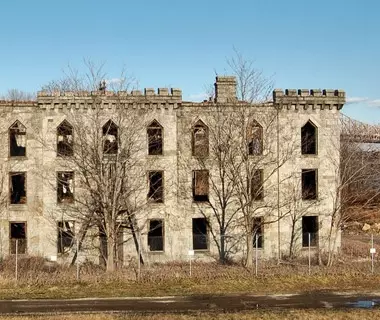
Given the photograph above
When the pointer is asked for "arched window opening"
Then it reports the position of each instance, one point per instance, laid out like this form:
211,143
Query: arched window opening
255,139
309,138
155,140
65,139
17,140
200,143
110,138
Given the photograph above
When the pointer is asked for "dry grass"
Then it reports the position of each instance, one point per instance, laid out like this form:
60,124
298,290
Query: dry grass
260,315
36,280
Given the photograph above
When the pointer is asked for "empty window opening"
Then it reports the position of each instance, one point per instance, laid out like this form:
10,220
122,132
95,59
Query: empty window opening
309,184
17,237
154,138
17,140
65,187
255,139
200,185
155,193
200,234
309,138
17,188
110,138
65,139
200,140
310,226
257,190
156,235
258,231
65,236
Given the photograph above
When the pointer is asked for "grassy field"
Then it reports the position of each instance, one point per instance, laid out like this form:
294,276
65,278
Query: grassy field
259,315
35,281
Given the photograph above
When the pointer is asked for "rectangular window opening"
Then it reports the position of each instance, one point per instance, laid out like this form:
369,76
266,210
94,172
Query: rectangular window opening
156,235
200,185
17,237
309,184
200,234
17,188
65,187
258,232
155,193
257,190
309,227
65,236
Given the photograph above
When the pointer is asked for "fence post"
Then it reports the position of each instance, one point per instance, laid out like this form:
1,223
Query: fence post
256,253
16,270
138,259
372,255
309,255
77,258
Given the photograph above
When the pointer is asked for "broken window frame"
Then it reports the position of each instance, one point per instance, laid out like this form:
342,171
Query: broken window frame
110,129
257,185
156,243
309,141
255,139
309,192
200,140
200,196
63,183
22,195
65,139
155,139
200,239
258,228
313,229
155,193
22,245
17,137
65,236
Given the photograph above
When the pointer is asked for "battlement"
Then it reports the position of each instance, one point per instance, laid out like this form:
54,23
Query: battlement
314,98
108,99
148,92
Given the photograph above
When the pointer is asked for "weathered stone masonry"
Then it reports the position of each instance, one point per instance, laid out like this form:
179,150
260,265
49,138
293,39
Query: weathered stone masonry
292,109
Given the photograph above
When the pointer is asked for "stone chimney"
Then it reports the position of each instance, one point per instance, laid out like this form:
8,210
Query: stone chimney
225,89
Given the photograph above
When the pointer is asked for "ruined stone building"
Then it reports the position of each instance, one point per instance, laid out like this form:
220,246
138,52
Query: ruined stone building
283,154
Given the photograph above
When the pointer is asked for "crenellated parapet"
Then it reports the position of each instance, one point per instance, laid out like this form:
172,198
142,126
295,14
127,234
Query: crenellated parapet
163,98
313,99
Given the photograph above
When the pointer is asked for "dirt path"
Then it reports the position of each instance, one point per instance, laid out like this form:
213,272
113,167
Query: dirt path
209,303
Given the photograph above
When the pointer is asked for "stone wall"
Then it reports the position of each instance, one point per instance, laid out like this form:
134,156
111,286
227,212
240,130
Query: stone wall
281,119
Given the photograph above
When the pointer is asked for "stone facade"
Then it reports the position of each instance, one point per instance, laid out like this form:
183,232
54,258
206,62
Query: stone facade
282,177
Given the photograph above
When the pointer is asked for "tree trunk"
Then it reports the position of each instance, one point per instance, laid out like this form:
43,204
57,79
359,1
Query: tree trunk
111,253
249,244
132,224
222,253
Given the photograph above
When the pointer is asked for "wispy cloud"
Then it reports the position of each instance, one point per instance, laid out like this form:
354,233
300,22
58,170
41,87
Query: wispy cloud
198,97
114,81
363,100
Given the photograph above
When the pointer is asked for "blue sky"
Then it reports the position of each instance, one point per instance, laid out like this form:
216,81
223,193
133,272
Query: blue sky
304,44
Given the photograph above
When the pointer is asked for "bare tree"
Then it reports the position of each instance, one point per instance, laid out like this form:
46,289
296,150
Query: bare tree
90,79
356,186
252,84
18,95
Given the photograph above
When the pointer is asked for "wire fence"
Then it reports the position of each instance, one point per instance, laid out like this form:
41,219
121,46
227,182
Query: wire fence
360,252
